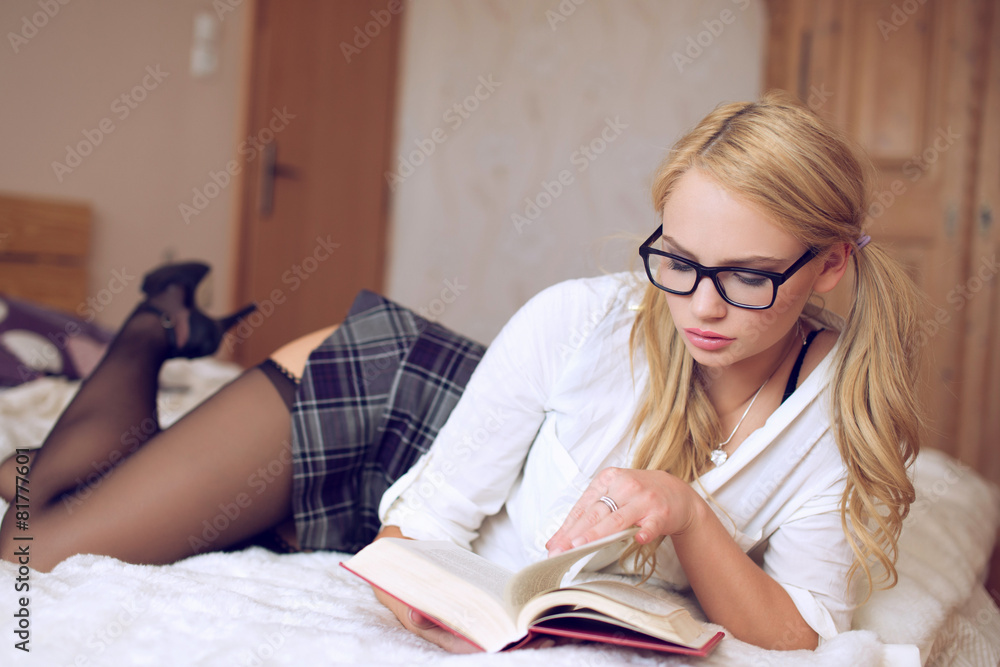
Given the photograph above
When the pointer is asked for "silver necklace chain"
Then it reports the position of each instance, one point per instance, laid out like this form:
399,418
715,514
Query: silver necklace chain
719,455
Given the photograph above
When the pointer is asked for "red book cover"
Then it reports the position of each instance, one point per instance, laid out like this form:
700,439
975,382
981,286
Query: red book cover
581,628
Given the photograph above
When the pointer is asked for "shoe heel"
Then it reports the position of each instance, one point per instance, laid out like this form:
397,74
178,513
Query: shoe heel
228,322
206,333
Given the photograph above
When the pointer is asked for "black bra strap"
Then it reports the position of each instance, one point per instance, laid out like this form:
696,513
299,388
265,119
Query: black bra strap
793,379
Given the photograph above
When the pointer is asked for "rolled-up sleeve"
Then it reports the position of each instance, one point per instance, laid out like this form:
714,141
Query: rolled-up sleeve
809,556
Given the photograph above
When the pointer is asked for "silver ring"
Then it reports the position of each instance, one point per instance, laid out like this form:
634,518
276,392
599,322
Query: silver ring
612,505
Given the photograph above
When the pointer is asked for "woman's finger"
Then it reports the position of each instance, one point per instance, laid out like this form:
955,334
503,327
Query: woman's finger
447,640
419,620
580,517
424,626
591,512
617,499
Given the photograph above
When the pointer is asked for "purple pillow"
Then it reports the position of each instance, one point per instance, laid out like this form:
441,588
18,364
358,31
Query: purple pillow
37,341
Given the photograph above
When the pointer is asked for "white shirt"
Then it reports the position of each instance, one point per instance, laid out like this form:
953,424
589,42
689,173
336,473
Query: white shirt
549,407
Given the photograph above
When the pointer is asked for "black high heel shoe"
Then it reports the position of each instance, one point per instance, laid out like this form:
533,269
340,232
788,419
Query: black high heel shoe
205,333
188,275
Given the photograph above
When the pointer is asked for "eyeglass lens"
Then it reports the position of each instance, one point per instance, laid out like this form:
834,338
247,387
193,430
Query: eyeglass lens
748,289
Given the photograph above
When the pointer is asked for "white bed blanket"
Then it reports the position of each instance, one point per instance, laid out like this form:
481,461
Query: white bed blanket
258,608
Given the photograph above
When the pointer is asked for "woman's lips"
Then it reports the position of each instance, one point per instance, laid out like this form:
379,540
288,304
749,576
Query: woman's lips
707,340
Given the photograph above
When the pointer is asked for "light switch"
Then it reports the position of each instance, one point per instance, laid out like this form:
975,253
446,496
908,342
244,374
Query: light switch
205,45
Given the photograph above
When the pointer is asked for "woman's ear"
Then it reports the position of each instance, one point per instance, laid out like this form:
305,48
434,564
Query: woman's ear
834,267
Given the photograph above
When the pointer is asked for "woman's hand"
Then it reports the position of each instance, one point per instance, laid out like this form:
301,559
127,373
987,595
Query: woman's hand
655,501
413,620
733,590
418,624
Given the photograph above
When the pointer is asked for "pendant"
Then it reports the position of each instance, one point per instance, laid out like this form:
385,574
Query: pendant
719,456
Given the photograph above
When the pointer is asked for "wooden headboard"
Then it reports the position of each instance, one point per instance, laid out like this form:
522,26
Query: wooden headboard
44,246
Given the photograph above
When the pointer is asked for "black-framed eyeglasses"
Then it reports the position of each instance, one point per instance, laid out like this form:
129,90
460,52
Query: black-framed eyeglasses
741,287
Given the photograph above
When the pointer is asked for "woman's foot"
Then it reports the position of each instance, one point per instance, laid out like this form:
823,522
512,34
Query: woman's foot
165,318
188,331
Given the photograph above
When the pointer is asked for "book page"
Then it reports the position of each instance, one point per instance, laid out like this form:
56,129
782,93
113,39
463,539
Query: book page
451,585
547,574
622,604
462,590
487,576
597,628
632,595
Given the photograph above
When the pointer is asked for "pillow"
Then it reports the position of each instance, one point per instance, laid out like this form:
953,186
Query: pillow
944,550
37,341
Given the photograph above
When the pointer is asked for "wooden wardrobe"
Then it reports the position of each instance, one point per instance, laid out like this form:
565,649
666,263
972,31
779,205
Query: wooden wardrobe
915,82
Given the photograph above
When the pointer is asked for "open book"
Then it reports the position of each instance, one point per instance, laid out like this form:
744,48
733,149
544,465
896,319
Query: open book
496,609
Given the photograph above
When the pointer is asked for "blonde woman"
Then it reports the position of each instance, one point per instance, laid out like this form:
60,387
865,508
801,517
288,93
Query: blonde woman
759,443
718,409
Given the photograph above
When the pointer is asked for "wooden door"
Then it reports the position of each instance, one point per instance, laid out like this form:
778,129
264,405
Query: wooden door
905,80
979,424
313,210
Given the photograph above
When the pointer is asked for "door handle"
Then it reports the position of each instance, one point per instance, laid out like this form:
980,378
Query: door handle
270,169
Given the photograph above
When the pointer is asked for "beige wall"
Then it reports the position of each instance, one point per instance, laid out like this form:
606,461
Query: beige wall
618,76
566,70
68,77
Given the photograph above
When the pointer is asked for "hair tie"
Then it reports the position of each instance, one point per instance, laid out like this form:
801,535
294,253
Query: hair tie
863,241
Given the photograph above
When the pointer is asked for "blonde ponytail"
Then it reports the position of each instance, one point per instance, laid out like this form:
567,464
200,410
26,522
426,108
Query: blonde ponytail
876,408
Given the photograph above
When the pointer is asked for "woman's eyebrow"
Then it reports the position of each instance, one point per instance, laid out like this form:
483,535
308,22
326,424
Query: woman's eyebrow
749,260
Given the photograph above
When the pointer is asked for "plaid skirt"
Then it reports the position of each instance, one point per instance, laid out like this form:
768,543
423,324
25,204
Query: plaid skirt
372,399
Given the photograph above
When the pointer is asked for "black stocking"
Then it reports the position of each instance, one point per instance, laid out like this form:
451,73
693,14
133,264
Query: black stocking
227,462
114,411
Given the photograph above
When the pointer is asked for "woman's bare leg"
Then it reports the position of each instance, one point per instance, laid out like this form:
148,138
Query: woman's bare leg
294,355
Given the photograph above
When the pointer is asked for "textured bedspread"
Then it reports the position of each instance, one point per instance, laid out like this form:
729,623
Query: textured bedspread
258,608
